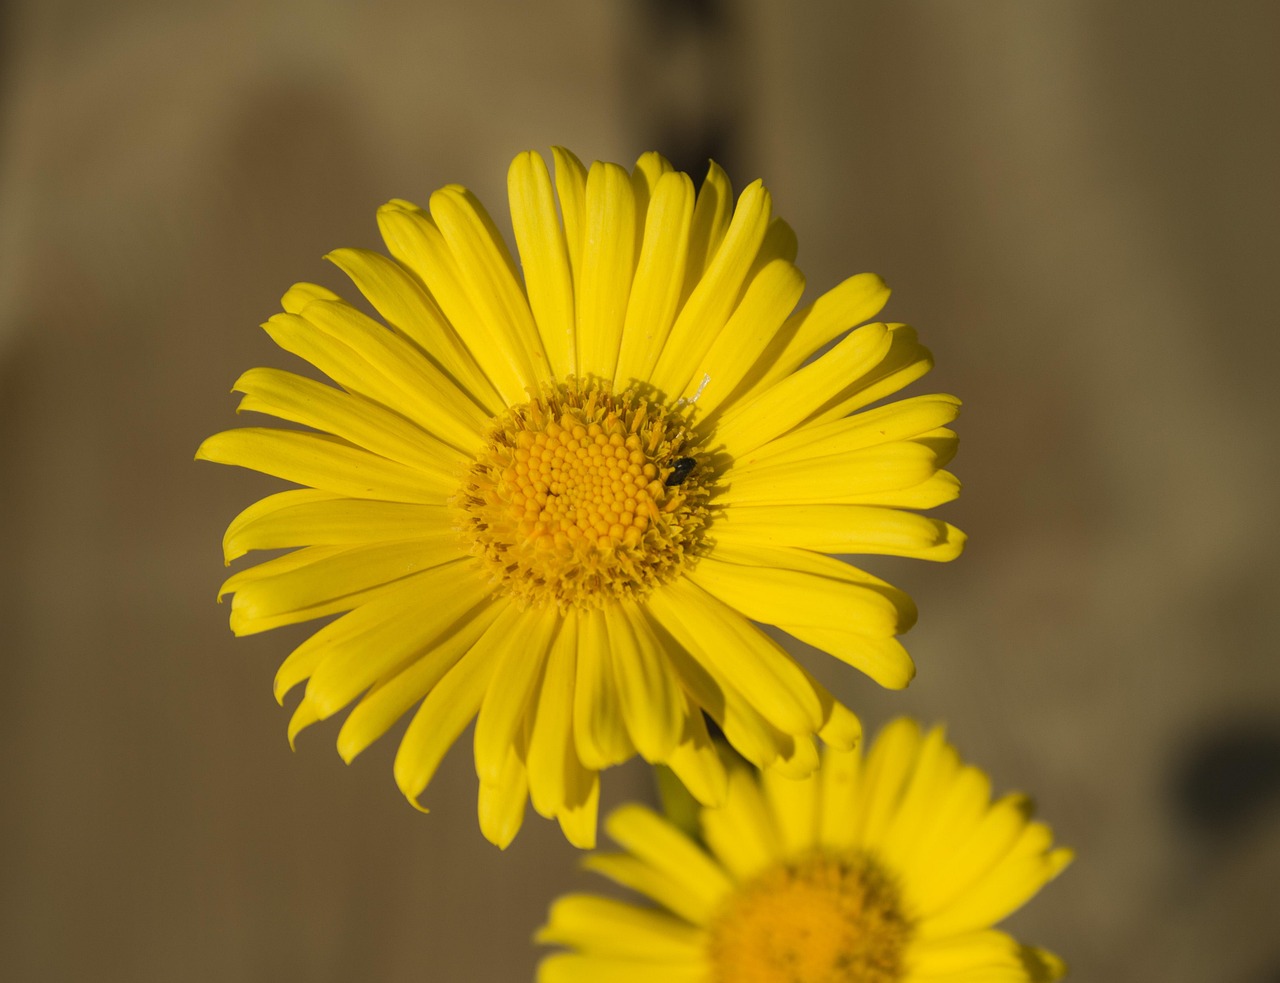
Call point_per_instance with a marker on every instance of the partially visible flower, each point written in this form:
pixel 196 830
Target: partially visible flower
pixel 888 869
pixel 557 496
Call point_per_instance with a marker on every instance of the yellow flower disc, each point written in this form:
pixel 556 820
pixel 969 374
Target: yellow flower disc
pixel 821 919
pixel 581 495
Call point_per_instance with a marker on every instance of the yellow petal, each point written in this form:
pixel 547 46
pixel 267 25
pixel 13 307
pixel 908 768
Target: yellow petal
pixel 792 399
pixel 545 257
pixel 608 267
pixel 697 762
pixel 417 242
pixel 742 834
pixel 564 967
pixel 380 636
pixel 905 362
pixel 551 748
pixel 794 806
pixel 840 797
pixel 324 462
pixel 488 274
pixel 508 701
pixel 857 299
pixel 571 191
pixel 392 697
pixel 841 529
pixel 655 292
pixel 618 928
pixel 711 216
pixel 649 694
pixel 704 314
pixel 653 840
pixel 889 765
pixel 501 804
pixel 306 517
pixel 406 307
pixel 721 637
pixel 598 728
pixel 408 382
pixel 449 707
pixel 768 299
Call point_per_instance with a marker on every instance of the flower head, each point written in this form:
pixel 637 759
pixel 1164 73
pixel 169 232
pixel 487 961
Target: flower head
pixel 888 869
pixel 556 496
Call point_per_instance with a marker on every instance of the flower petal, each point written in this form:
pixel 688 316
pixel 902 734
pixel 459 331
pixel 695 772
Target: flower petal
pixel 406 307
pixel 655 292
pixel 544 255
pixel 608 267
pixel 324 462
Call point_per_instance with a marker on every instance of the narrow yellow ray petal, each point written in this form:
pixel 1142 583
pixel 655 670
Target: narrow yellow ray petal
pixel 655 293
pixel 841 529
pixel 578 818
pixel 348 571
pixel 304 715
pixel 704 314
pixel 551 741
pixel 654 884
pixel 449 707
pixel 301 294
pixel 392 697
pixel 906 361
pixel 719 636
pixel 501 804
pixel 990 840
pixel 488 274
pixel 742 834
pixel 984 950
pixel 415 240
pixel 697 763
pixel 1011 884
pixel 515 681
pixel 789 401
pixel 771 596
pixel 956 815
pixel 402 302
pixel 649 693
pixel 324 462
pixel 768 299
pixel 899 420
pixel 794 806
pixel 880 474
pixel 354 418
pixel 889 765
pixel 608 267
pixel 287 519
pixel 712 214
pixel 382 635
pixel 422 391
pixel 653 840
pixel 571 192
pixel 931 779
pixel 649 169
pixel 709 687
pixel 839 799
pixel 545 257
pixel 618 928
pixel 598 729
pixel 857 299
pixel 242 625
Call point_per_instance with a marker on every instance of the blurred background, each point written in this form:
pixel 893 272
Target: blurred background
pixel 1077 206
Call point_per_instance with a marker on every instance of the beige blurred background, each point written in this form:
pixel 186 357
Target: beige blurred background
pixel 1077 205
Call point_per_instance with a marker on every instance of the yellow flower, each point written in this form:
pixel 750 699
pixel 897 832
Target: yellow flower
pixel 559 501
pixel 891 869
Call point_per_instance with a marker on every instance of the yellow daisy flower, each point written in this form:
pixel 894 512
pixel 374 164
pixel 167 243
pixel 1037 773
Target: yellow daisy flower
pixel 888 869
pixel 557 502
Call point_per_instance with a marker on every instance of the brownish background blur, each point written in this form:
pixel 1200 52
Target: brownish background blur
pixel 1077 204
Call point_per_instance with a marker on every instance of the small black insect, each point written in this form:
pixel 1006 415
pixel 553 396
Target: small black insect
pixel 680 469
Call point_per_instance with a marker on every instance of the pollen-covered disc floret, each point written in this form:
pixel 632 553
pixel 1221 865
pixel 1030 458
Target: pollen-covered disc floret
pixel 581 495
pixel 824 918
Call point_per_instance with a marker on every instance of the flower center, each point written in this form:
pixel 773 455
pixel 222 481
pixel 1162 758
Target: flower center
pixel 582 495
pixel 822 919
